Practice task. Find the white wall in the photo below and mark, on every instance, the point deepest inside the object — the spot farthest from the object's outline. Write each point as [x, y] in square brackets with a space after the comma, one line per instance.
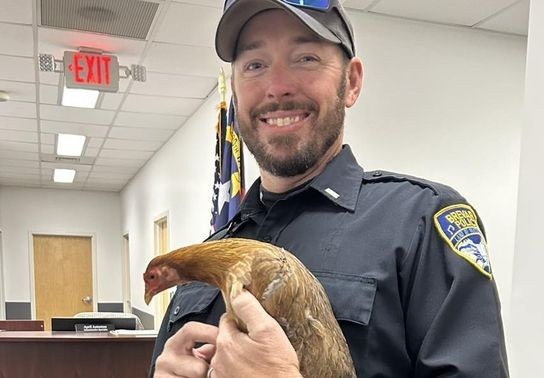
[440, 102]
[527, 299]
[445, 103]
[26, 210]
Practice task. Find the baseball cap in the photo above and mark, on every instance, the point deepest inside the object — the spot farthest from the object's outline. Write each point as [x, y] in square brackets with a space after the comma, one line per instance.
[326, 18]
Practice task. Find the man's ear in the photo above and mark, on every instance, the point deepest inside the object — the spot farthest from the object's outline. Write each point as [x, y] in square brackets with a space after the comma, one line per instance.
[354, 81]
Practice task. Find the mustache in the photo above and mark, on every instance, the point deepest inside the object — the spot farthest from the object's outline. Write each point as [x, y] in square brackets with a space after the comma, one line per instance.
[288, 105]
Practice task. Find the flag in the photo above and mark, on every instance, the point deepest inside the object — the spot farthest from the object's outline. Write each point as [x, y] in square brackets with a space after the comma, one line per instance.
[228, 187]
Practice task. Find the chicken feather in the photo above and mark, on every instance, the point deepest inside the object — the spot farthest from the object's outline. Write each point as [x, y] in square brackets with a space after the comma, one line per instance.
[282, 284]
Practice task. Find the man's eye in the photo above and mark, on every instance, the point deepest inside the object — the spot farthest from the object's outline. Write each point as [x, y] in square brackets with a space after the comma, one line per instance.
[308, 58]
[253, 66]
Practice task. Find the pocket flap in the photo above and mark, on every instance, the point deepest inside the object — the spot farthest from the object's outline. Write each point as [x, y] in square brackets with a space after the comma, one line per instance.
[192, 298]
[351, 296]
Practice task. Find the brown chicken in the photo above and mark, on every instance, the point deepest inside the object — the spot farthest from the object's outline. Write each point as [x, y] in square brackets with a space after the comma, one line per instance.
[281, 283]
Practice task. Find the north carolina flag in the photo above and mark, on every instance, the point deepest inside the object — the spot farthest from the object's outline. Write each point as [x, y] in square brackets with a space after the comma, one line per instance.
[228, 188]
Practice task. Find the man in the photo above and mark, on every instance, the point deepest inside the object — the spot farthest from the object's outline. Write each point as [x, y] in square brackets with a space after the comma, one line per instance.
[403, 260]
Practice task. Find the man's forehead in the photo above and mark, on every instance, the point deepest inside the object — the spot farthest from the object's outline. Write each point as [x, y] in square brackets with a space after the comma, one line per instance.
[268, 25]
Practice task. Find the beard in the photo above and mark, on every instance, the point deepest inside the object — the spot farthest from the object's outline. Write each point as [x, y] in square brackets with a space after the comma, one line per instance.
[302, 154]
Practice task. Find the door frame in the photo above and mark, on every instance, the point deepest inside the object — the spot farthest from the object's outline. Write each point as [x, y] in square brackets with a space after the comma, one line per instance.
[125, 261]
[2, 292]
[31, 235]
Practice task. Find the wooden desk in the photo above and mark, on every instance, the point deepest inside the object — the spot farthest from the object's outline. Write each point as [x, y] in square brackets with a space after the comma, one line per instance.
[21, 325]
[68, 354]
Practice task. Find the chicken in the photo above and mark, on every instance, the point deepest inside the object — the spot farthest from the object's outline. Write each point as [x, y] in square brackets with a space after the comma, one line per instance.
[282, 284]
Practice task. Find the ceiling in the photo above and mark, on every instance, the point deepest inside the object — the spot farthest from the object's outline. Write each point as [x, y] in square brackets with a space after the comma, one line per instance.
[128, 127]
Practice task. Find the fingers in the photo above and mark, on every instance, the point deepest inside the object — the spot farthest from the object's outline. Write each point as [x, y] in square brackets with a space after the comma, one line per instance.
[179, 357]
[205, 352]
[190, 334]
[250, 311]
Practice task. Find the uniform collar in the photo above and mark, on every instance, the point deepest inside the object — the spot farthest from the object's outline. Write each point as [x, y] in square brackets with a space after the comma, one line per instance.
[341, 179]
[340, 183]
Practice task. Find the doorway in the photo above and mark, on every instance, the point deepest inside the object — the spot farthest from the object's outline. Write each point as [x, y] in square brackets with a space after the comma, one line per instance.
[127, 301]
[63, 276]
[162, 245]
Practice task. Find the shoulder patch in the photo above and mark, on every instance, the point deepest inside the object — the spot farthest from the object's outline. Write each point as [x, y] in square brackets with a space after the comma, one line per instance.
[458, 226]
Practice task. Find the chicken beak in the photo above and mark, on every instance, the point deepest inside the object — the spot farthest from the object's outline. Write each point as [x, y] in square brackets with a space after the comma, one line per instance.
[148, 296]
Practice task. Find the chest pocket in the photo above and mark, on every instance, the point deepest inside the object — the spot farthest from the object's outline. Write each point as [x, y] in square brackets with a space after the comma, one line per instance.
[191, 299]
[351, 296]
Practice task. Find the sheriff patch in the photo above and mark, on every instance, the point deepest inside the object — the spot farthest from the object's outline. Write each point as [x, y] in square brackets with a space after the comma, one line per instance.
[458, 226]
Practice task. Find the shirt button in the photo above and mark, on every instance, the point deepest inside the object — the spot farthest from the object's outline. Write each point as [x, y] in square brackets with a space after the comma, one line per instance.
[176, 311]
[377, 174]
[267, 238]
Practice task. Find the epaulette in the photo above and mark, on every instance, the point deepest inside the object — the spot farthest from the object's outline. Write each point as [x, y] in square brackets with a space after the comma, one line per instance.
[385, 176]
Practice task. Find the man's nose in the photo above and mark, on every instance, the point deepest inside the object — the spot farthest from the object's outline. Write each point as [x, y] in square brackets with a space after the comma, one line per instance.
[282, 83]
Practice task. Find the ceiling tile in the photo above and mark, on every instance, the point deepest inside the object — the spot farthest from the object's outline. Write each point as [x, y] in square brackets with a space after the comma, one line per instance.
[78, 167]
[27, 170]
[48, 148]
[14, 155]
[19, 109]
[95, 142]
[111, 101]
[56, 127]
[17, 68]
[111, 182]
[50, 78]
[19, 163]
[91, 152]
[202, 29]
[358, 4]
[459, 12]
[18, 146]
[161, 105]
[57, 41]
[19, 91]
[49, 94]
[121, 144]
[21, 124]
[47, 138]
[167, 58]
[18, 175]
[160, 121]
[18, 11]
[175, 85]
[70, 114]
[102, 169]
[120, 162]
[126, 154]
[17, 40]
[514, 19]
[140, 133]
[19, 136]
[113, 175]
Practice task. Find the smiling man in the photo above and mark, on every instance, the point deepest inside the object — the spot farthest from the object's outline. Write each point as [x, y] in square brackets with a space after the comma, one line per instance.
[391, 250]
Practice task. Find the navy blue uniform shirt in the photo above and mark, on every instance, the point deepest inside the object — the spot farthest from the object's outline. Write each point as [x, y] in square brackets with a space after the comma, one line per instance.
[410, 303]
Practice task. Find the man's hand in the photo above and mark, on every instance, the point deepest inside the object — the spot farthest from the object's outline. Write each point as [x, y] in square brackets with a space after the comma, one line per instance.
[179, 357]
[265, 351]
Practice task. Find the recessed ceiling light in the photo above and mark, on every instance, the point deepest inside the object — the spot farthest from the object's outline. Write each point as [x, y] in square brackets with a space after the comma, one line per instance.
[70, 145]
[64, 175]
[80, 98]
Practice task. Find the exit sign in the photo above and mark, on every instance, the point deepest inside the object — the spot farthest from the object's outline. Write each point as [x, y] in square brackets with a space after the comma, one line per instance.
[91, 71]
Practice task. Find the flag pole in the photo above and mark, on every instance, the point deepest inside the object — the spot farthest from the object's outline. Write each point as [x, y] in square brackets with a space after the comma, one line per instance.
[222, 85]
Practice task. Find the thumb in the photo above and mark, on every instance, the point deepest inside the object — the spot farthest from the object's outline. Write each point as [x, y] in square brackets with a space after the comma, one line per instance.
[251, 313]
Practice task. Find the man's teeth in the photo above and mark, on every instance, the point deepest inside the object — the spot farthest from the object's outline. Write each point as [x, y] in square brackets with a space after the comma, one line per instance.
[286, 121]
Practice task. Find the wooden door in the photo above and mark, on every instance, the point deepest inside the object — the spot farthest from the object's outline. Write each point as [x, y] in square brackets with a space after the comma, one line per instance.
[63, 283]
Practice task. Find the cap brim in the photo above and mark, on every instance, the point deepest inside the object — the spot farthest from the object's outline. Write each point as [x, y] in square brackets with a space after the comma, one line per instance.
[238, 14]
